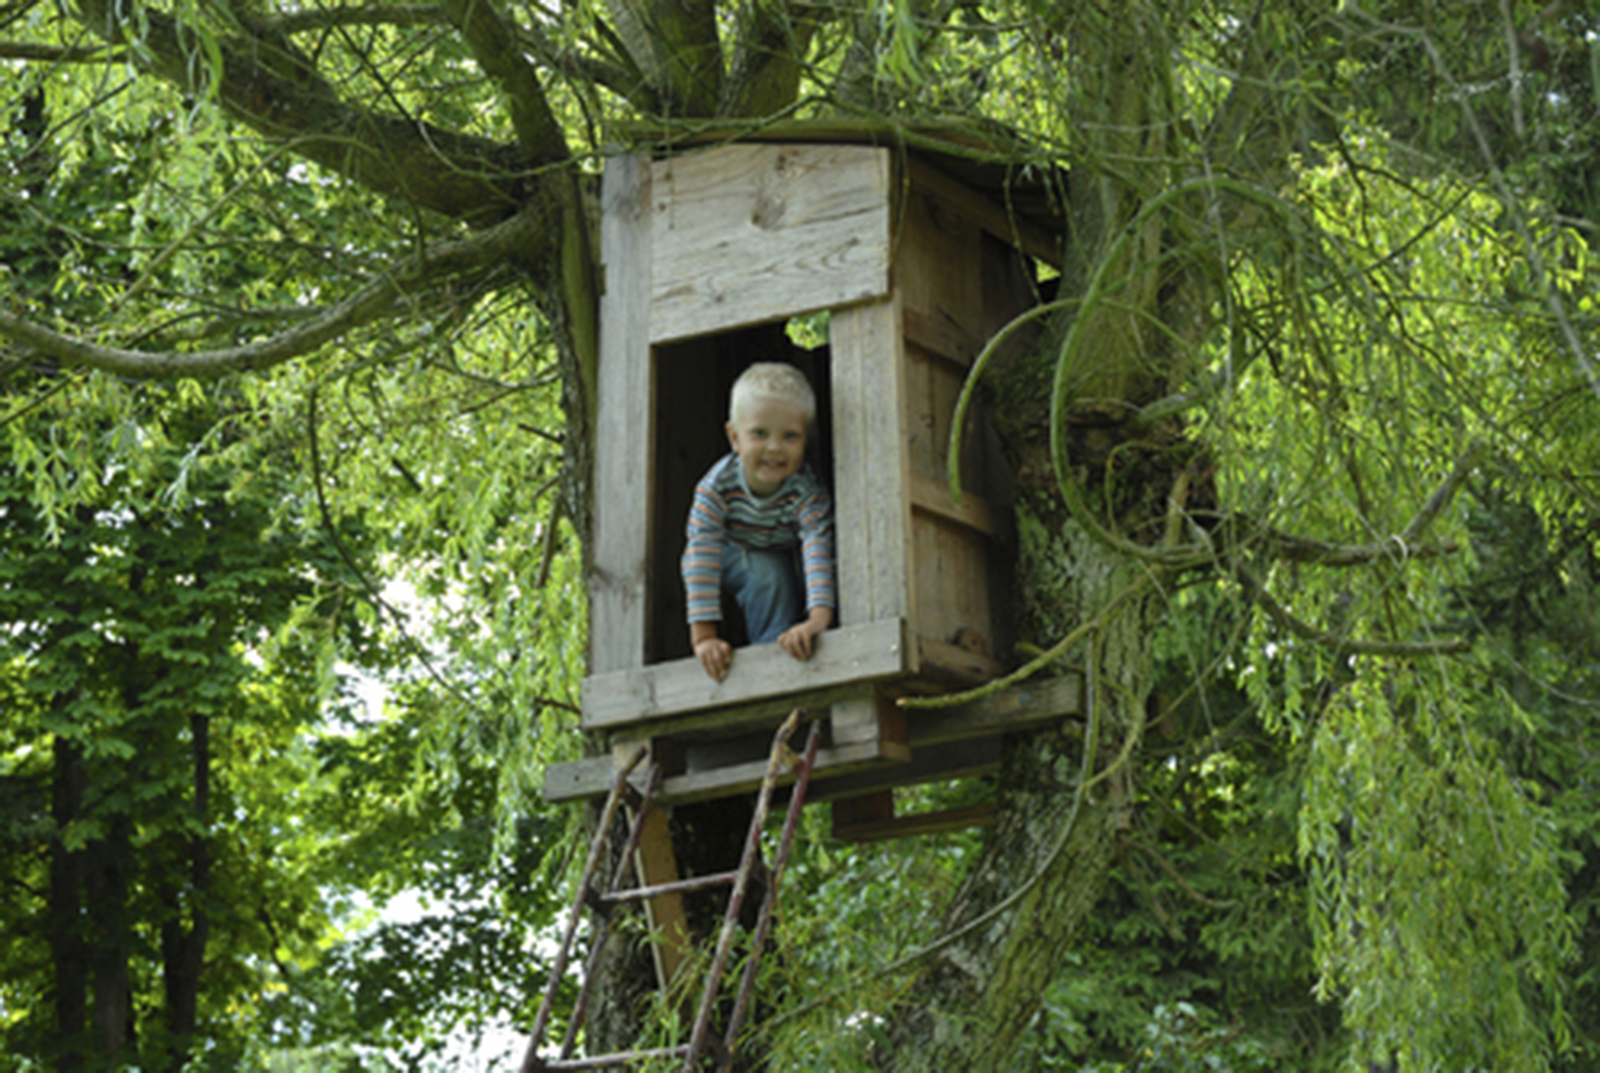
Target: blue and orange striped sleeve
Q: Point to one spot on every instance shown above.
(814, 521)
(702, 557)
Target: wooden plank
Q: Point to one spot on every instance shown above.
(617, 597)
(875, 807)
(952, 585)
(656, 864)
(964, 741)
(578, 779)
(747, 233)
(719, 724)
(1022, 707)
(967, 759)
(852, 654)
(852, 536)
(1009, 227)
(851, 721)
(873, 717)
(1017, 709)
(942, 337)
(921, 823)
(972, 512)
(938, 267)
(832, 762)
(941, 658)
(870, 462)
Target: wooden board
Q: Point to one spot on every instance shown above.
(745, 233)
(938, 266)
(592, 778)
(973, 512)
(944, 743)
(656, 865)
(958, 665)
(872, 504)
(968, 759)
(1022, 707)
(854, 654)
(963, 741)
(832, 761)
(910, 826)
(617, 597)
(1006, 224)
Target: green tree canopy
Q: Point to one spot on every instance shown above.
(1326, 278)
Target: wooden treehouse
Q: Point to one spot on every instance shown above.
(917, 257)
(913, 258)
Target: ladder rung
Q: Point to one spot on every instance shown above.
(682, 886)
(606, 1061)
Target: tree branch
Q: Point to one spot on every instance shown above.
(677, 48)
(1402, 546)
(1171, 870)
(769, 59)
(265, 82)
(371, 302)
(20, 50)
(1297, 549)
(493, 41)
(1343, 645)
(367, 15)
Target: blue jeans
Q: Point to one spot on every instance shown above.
(764, 582)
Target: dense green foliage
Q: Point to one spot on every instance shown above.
(165, 657)
(299, 306)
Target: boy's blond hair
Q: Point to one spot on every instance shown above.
(774, 381)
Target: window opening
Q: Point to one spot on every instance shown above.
(692, 382)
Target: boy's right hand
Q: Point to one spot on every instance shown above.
(715, 655)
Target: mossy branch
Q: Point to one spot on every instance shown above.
(370, 303)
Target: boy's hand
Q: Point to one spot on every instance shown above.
(796, 640)
(715, 655)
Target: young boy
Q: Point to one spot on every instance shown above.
(750, 511)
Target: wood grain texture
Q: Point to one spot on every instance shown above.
(760, 672)
(617, 582)
(747, 233)
(944, 743)
(870, 465)
(657, 864)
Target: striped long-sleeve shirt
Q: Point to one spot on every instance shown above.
(725, 509)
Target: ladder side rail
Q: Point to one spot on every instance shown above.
(597, 845)
(769, 903)
(580, 1009)
(730, 920)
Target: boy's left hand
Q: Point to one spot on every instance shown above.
(796, 640)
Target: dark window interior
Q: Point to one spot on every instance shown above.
(692, 381)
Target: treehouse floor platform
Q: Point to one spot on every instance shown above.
(711, 739)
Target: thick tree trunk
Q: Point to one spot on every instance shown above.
(183, 946)
(68, 951)
(106, 903)
(1063, 797)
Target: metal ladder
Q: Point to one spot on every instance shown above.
(701, 1042)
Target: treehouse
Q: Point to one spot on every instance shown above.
(909, 258)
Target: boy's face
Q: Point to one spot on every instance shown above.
(770, 439)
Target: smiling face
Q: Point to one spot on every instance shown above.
(769, 436)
